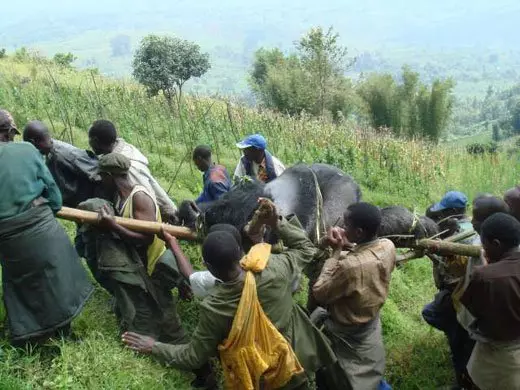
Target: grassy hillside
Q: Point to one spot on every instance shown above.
(390, 171)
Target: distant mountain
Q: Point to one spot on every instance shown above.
(432, 35)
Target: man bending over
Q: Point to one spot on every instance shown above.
(222, 255)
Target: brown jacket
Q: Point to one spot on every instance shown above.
(355, 285)
(493, 297)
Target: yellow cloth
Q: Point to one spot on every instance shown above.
(254, 349)
(157, 247)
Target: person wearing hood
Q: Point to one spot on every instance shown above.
(103, 140)
(257, 163)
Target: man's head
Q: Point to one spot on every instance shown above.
(202, 157)
(8, 129)
(253, 147)
(362, 221)
(113, 169)
(500, 234)
(38, 134)
(221, 253)
(225, 227)
(512, 198)
(485, 206)
(102, 136)
(453, 203)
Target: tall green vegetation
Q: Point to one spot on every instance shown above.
(391, 171)
(64, 59)
(312, 80)
(164, 64)
(309, 80)
(409, 108)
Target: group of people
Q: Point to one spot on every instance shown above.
(338, 345)
(478, 303)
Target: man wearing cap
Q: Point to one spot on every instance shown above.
(134, 201)
(450, 215)
(8, 126)
(257, 163)
(45, 285)
(448, 272)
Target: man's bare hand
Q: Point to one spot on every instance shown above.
(138, 342)
(167, 237)
(336, 239)
(267, 213)
(185, 292)
(105, 219)
(483, 257)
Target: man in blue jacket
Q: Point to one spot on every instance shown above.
(216, 179)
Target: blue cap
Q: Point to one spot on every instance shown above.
(452, 200)
(256, 141)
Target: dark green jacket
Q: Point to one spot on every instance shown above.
(275, 294)
(24, 178)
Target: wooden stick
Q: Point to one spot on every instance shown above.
(419, 253)
(411, 255)
(91, 218)
(445, 248)
(461, 236)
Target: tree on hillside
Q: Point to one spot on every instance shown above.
(64, 59)
(310, 79)
(3, 53)
(325, 59)
(410, 108)
(120, 45)
(166, 63)
(514, 109)
(496, 132)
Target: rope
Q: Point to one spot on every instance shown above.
(414, 222)
(320, 223)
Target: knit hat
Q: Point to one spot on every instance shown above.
(114, 163)
(7, 122)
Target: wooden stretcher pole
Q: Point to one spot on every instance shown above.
(91, 218)
(418, 250)
(446, 248)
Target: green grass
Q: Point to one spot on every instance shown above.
(390, 171)
(483, 137)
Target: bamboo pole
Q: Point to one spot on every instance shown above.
(417, 251)
(91, 218)
(445, 248)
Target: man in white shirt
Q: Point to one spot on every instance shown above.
(257, 163)
(201, 282)
(103, 140)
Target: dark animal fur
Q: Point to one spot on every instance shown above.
(398, 220)
(294, 192)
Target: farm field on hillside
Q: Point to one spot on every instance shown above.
(390, 171)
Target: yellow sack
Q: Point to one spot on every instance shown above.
(254, 349)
